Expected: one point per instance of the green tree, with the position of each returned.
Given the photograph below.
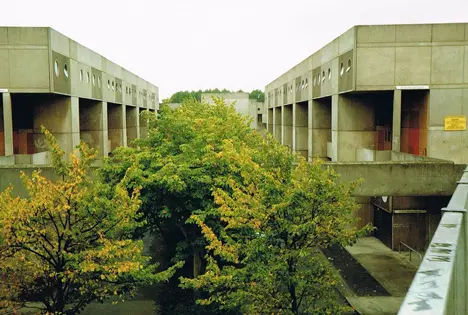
(185, 158)
(267, 259)
(246, 221)
(257, 95)
(70, 241)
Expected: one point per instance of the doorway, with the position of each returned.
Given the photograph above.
(414, 123)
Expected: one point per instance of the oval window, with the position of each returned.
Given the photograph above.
(65, 71)
(56, 68)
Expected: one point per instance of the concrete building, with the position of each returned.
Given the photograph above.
(244, 105)
(381, 93)
(49, 79)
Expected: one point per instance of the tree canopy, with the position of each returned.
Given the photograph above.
(70, 241)
(236, 208)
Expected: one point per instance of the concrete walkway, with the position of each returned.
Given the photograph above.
(392, 270)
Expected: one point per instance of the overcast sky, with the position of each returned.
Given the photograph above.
(233, 44)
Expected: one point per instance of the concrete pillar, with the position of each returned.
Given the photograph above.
(143, 127)
(60, 115)
(105, 131)
(7, 124)
(300, 125)
(353, 126)
(132, 123)
(320, 112)
(93, 125)
(116, 125)
(396, 129)
(124, 124)
(287, 125)
(277, 125)
(270, 121)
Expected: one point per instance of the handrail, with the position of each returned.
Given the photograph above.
(410, 250)
(440, 285)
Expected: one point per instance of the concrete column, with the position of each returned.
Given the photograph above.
(124, 124)
(75, 121)
(93, 125)
(353, 126)
(320, 113)
(143, 127)
(396, 129)
(116, 125)
(60, 115)
(105, 131)
(132, 123)
(270, 120)
(300, 125)
(334, 128)
(277, 126)
(7, 124)
(287, 125)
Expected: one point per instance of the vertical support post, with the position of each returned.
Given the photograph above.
(334, 127)
(7, 123)
(396, 128)
(75, 121)
(124, 125)
(105, 130)
(293, 131)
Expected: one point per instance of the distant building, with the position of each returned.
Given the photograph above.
(243, 105)
(49, 79)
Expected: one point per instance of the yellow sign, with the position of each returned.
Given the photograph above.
(455, 123)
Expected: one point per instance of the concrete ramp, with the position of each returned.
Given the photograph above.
(375, 278)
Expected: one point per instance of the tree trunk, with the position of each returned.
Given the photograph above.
(60, 298)
(292, 287)
(197, 267)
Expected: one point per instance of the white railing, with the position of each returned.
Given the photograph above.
(441, 283)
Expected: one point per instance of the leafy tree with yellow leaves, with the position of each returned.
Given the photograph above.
(70, 241)
(268, 258)
(245, 220)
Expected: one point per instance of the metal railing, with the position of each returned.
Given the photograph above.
(410, 250)
(441, 282)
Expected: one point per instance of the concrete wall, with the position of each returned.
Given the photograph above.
(24, 59)
(40, 59)
(400, 178)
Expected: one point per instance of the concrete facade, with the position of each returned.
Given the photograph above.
(379, 93)
(49, 79)
(386, 87)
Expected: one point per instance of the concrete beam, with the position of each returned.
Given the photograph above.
(400, 178)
